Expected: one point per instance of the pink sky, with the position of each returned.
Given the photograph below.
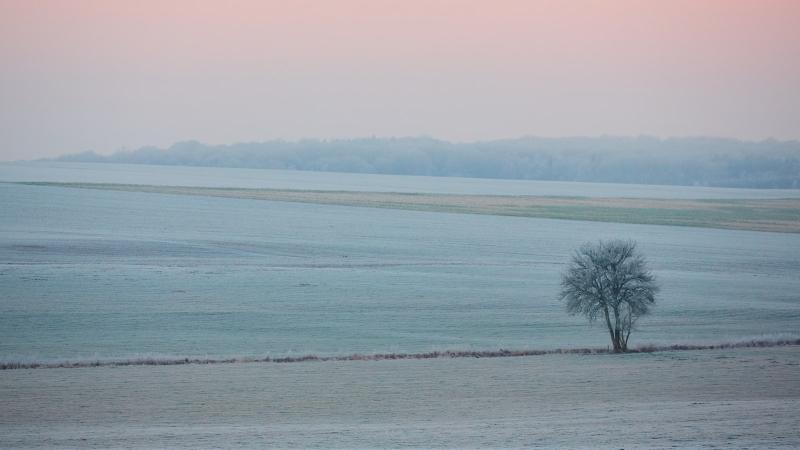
(101, 75)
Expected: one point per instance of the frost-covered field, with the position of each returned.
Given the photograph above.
(731, 399)
(779, 215)
(91, 275)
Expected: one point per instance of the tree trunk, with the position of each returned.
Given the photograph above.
(617, 336)
(611, 331)
(618, 344)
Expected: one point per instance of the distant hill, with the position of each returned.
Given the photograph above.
(647, 160)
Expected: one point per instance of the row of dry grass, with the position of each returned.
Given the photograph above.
(501, 353)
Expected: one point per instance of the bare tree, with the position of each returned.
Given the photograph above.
(609, 280)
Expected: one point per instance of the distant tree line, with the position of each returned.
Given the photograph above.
(647, 160)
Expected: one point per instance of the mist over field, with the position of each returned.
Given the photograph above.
(434, 224)
(644, 160)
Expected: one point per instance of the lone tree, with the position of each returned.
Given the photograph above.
(610, 280)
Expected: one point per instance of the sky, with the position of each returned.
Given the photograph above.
(107, 75)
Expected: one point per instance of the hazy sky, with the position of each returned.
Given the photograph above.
(102, 75)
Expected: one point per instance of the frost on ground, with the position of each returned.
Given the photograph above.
(743, 397)
(779, 215)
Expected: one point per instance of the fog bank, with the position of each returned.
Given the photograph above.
(644, 160)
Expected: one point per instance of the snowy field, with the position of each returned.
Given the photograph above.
(744, 398)
(91, 275)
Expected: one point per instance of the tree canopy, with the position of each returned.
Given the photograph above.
(609, 280)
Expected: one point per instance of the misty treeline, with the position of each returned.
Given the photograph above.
(647, 160)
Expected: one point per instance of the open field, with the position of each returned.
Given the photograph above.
(189, 286)
(734, 398)
(779, 215)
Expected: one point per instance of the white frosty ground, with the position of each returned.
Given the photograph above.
(729, 398)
